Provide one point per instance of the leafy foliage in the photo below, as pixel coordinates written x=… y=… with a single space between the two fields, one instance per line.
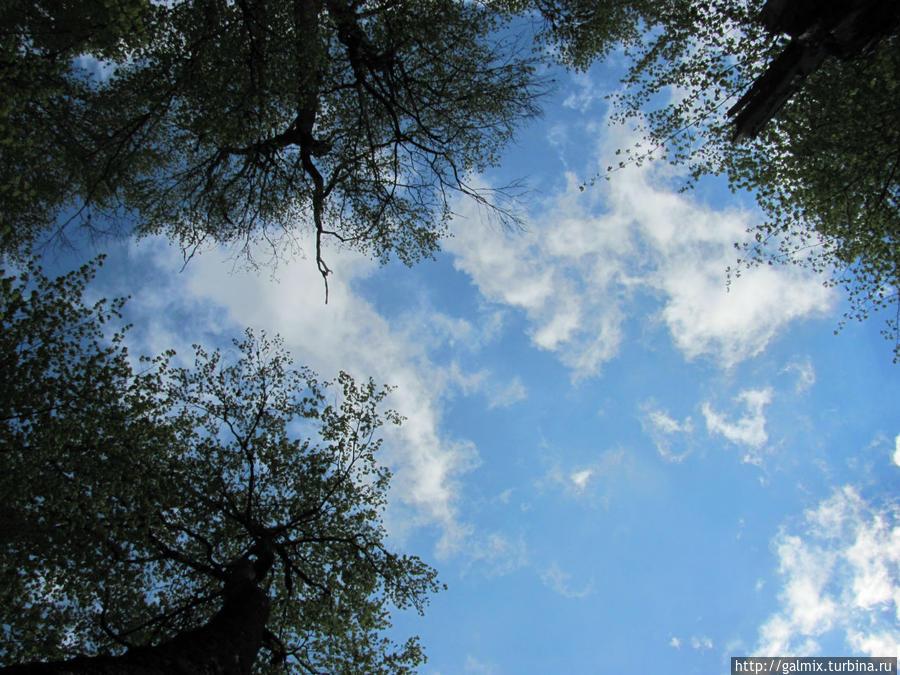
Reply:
x=78 y=434
x=578 y=32
x=241 y=121
x=830 y=182
x=127 y=496
x=43 y=90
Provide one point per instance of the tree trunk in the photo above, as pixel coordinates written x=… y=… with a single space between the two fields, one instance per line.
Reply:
x=226 y=645
x=846 y=29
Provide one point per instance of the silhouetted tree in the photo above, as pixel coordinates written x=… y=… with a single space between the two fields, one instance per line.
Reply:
x=244 y=121
x=222 y=518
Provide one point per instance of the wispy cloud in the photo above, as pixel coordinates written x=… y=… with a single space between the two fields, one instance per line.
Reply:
x=585 y=258
x=591 y=479
x=584 y=92
x=841 y=573
x=666 y=431
x=495 y=554
x=559 y=581
x=571 y=311
x=473 y=665
x=806 y=374
x=580 y=479
x=505 y=395
x=701 y=642
x=748 y=431
x=439 y=329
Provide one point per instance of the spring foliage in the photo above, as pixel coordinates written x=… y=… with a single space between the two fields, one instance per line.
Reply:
x=129 y=493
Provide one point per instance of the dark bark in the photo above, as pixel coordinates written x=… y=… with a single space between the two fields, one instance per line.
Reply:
x=846 y=29
x=226 y=645
x=775 y=86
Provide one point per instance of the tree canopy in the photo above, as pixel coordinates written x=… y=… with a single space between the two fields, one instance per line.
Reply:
x=242 y=121
x=188 y=515
x=149 y=508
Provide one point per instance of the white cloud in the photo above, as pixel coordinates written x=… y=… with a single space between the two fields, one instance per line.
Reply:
x=702 y=643
x=896 y=455
x=559 y=581
x=661 y=421
x=504 y=396
x=585 y=91
x=806 y=374
x=693 y=246
x=580 y=479
x=468 y=383
x=453 y=329
x=665 y=430
x=883 y=643
x=473 y=665
x=571 y=311
x=496 y=554
x=586 y=481
x=498 y=394
x=675 y=642
x=749 y=430
x=586 y=257
x=439 y=329
x=840 y=573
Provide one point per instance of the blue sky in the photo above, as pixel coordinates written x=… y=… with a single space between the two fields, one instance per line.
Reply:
x=616 y=463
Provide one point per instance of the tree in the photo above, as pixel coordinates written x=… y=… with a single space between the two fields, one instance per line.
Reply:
x=825 y=167
x=178 y=519
x=236 y=122
x=827 y=175
x=42 y=87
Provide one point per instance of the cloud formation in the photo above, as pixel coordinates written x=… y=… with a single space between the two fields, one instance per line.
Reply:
x=592 y=480
x=505 y=395
x=586 y=258
x=666 y=432
x=559 y=581
x=570 y=309
x=701 y=642
x=840 y=573
x=748 y=431
x=496 y=554
x=806 y=374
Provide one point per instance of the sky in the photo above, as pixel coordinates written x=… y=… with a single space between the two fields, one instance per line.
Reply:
x=617 y=461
